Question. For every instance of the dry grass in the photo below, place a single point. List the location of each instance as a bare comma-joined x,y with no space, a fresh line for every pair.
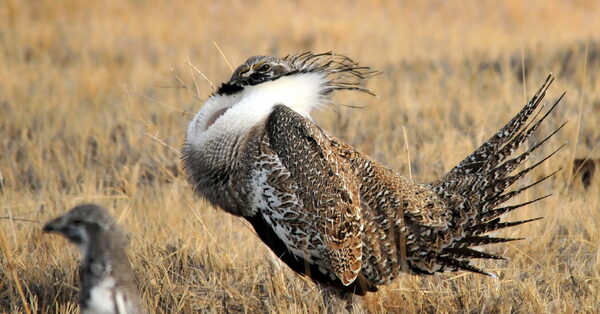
82,83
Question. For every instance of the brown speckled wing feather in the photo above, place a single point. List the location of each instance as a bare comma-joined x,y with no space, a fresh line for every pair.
326,186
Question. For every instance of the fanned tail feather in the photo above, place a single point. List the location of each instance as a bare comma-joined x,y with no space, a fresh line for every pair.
511,164
478,241
492,145
481,181
497,187
464,252
505,197
495,224
453,264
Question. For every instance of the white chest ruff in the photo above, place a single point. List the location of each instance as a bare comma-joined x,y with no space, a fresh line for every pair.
102,298
238,113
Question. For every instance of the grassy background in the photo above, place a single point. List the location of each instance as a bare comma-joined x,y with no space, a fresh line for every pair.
91,99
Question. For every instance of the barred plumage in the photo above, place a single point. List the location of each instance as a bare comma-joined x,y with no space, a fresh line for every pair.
326,209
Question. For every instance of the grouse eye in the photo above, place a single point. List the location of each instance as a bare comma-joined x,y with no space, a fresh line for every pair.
264,68
77,222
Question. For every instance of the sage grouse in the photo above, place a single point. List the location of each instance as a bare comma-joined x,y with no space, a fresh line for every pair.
106,279
324,208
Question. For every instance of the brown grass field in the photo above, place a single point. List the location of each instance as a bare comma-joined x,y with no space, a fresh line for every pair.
93,108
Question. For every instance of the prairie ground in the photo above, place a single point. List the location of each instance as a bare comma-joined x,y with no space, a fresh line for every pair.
95,97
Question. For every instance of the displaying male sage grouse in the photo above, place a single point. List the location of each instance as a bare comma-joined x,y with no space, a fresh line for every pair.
106,278
324,208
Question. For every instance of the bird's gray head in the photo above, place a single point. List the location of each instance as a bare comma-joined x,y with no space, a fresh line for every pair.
342,71
80,222
258,69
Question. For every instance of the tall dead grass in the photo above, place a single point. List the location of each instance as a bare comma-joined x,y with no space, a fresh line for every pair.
87,88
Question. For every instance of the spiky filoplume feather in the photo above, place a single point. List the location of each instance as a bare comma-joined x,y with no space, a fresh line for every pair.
326,209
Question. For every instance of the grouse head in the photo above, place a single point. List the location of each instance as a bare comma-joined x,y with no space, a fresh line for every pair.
81,223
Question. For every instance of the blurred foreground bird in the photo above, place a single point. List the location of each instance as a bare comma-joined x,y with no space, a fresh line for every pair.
107,283
329,211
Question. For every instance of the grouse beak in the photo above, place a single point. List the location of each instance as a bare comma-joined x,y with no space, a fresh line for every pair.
239,81
54,225
241,75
